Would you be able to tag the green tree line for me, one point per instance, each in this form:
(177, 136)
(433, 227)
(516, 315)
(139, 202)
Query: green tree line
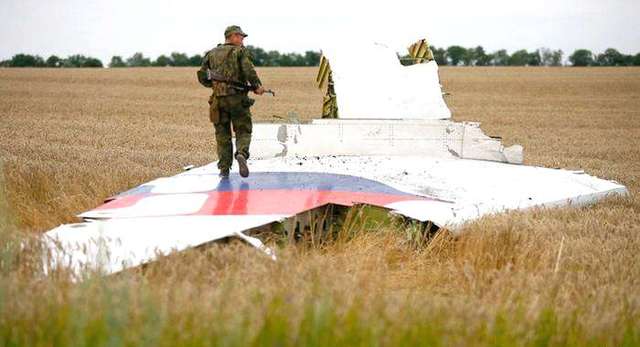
(477, 56)
(259, 55)
(453, 55)
(27, 60)
(260, 58)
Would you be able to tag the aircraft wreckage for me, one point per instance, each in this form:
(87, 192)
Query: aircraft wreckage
(392, 146)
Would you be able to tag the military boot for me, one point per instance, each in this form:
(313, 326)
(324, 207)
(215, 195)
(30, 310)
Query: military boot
(242, 163)
(224, 173)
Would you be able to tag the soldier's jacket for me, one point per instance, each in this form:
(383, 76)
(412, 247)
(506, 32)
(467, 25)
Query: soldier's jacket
(231, 62)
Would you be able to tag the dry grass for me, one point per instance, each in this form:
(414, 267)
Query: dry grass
(69, 138)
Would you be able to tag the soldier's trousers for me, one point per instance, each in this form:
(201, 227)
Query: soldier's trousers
(234, 111)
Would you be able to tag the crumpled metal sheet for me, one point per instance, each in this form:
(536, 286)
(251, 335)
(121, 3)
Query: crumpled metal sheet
(373, 137)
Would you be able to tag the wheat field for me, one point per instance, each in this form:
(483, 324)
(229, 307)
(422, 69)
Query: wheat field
(71, 137)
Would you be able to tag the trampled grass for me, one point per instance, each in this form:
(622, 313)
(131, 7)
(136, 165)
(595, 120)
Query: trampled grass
(70, 138)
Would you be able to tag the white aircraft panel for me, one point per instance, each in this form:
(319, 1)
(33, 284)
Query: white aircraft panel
(115, 244)
(371, 83)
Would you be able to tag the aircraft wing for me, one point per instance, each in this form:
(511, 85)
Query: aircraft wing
(197, 207)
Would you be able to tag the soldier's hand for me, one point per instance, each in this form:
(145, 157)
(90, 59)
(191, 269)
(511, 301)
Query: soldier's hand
(260, 90)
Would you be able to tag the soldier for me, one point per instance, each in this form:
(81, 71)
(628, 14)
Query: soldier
(228, 70)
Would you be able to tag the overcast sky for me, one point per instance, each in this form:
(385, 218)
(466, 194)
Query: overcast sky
(118, 27)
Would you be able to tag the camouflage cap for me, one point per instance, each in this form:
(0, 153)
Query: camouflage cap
(234, 29)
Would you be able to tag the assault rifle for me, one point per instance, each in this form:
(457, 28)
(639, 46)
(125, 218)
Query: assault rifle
(212, 76)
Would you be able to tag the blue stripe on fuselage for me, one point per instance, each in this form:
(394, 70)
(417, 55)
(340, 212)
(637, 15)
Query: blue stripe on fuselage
(293, 181)
(305, 181)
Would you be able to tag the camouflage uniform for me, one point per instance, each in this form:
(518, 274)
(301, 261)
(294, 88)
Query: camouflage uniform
(230, 106)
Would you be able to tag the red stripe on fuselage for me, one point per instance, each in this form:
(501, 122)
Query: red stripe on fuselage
(271, 201)
(288, 202)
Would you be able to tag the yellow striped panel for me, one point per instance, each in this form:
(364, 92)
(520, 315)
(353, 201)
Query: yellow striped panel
(323, 72)
(421, 51)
